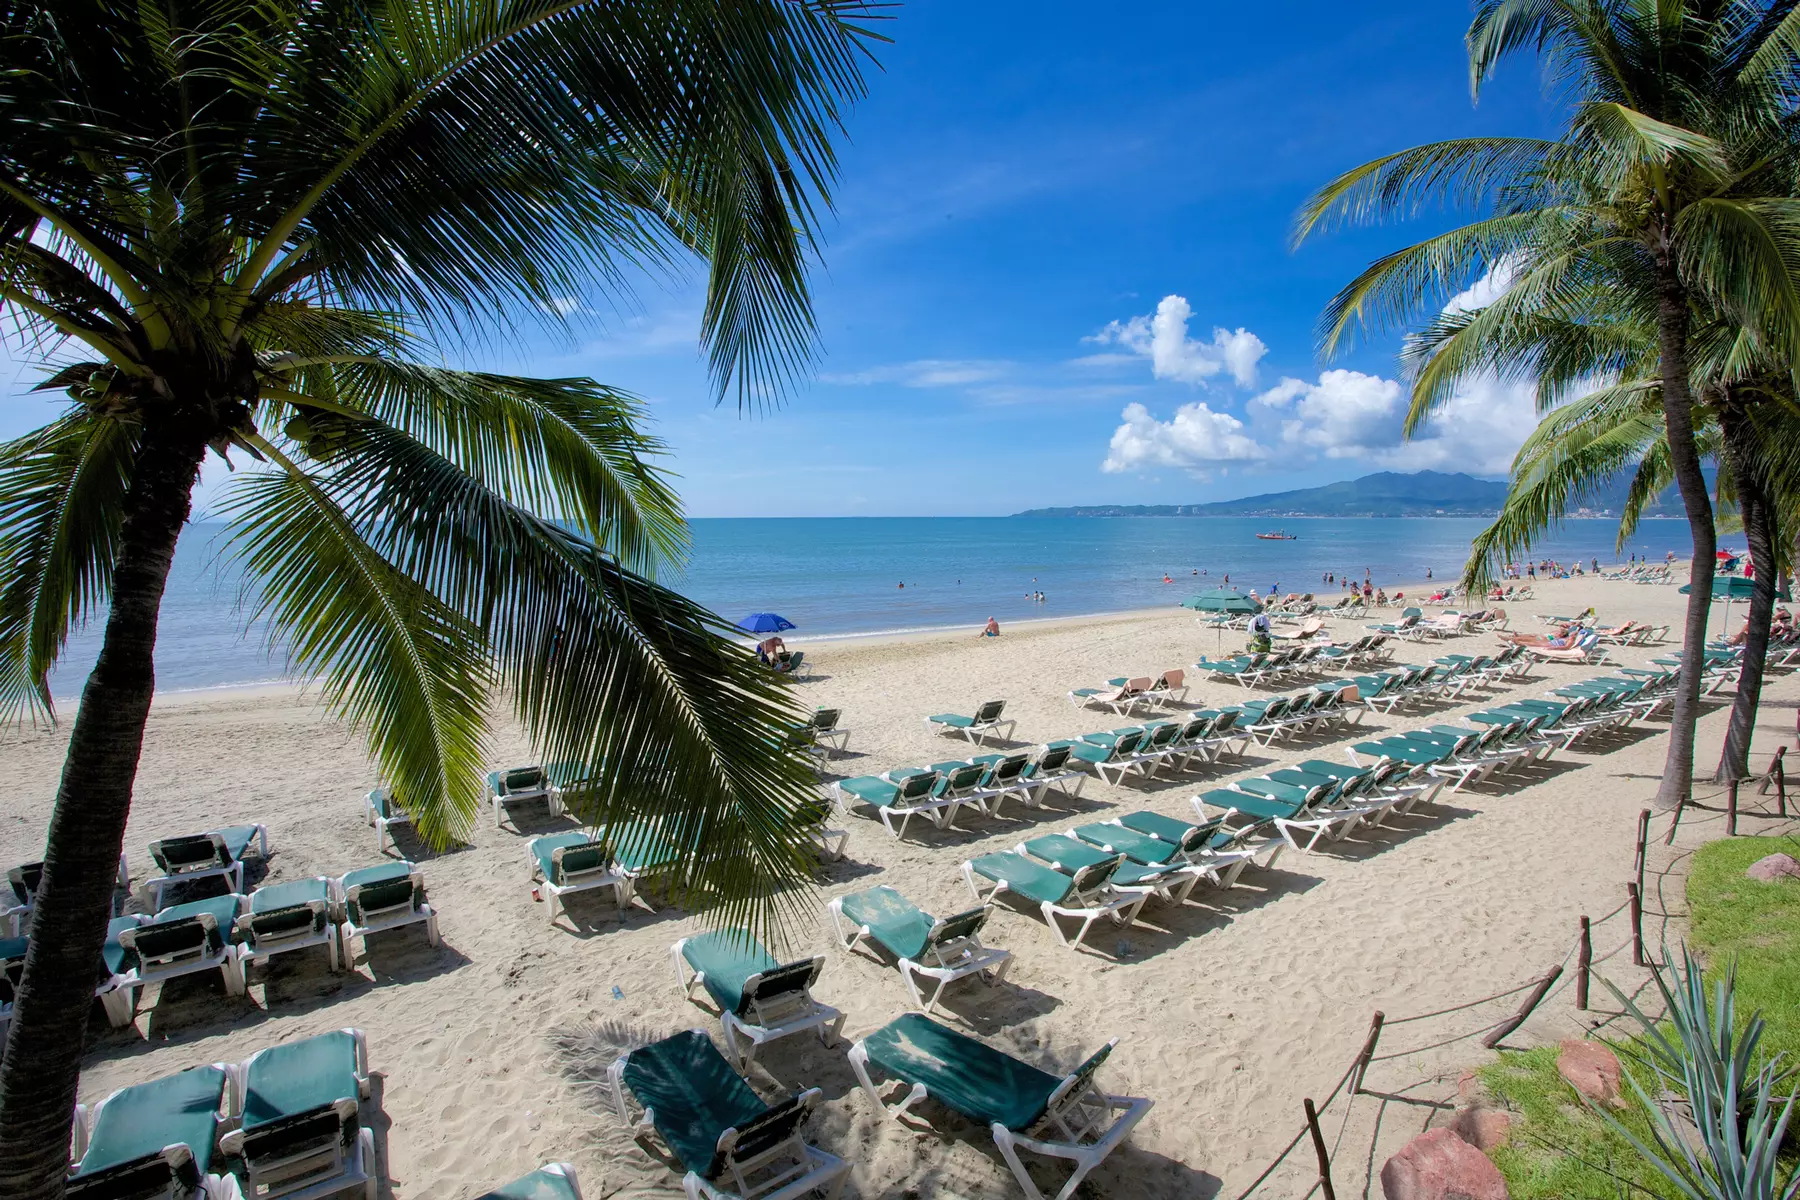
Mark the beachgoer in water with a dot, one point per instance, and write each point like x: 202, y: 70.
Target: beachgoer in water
x: 903, y: 586
x: 1166, y: 578
x: 1428, y: 572
x: 992, y: 629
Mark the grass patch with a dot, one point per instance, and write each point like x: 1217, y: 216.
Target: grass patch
x: 1562, y: 1149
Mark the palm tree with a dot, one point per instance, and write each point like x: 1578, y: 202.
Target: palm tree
x: 1675, y: 166
x: 238, y: 228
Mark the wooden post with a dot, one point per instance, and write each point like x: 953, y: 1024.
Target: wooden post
x: 1675, y: 821
x: 1318, y: 1141
x: 1762, y: 789
x: 1731, y: 791
x: 1637, y: 923
x: 1584, y: 962
x: 1781, y: 780
x: 1532, y: 1001
x: 1367, y: 1052
x: 1643, y: 847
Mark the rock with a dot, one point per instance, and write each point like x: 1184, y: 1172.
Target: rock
x: 1438, y: 1165
x: 1590, y: 1069
x: 1483, y: 1128
x: 1774, y: 867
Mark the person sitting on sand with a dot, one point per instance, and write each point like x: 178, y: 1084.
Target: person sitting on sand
x: 1381, y: 598
x: 991, y: 629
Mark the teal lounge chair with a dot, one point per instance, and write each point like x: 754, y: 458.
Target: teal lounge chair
x: 903, y: 799
x: 1024, y: 1108
x: 154, y: 1139
x: 1120, y: 755
x: 19, y: 895
x: 734, y: 1146
x: 380, y: 811
x: 1187, y: 853
x: 1207, y: 843
x: 574, y: 862
x: 181, y: 940
x: 300, y: 1105
x: 287, y: 916
x: 760, y: 999
x: 1085, y: 896
x: 552, y: 1181
x: 109, y: 988
x: 376, y: 899
x: 942, y: 950
x: 1004, y: 775
x: 522, y: 785
x: 204, y: 855
x: 988, y: 718
x: 824, y: 729
x: 1169, y: 882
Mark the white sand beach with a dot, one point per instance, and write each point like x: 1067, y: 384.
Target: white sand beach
x: 1230, y: 1008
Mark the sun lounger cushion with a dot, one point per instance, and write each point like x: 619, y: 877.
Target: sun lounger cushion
x: 286, y: 907
x: 642, y: 846
x: 983, y: 1084
x: 300, y: 1077
x: 893, y: 920
x: 542, y: 1184
x: 372, y: 889
x: 138, y: 1122
x: 1035, y: 882
x: 1072, y: 855
x: 694, y: 1094
x: 1139, y: 847
x: 726, y: 960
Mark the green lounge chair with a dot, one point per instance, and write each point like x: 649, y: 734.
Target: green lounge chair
x: 109, y: 987
x: 181, y: 940
x: 380, y: 811
x: 760, y: 999
x: 154, y: 1139
x: 574, y: 862
x: 734, y: 1146
x: 1120, y: 756
x: 901, y: 799
x: 1050, y: 769
x: 376, y: 899
x: 522, y: 785
x: 203, y: 855
x: 552, y: 1181
x: 287, y: 916
x: 831, y: 842
x: 1169, y: 882
x: 1206, y: 842
x: 1186, y: 855
x: 19, y: 895
x: 824, y: 728
x: 988, y: 718
x: 1085, y: 896
x: 1024, y: 1108
x: 943, y: 950
x: 301, y: 1134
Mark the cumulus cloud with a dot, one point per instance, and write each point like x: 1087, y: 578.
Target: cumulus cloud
x: 1195, y: 439
x: 1163, y: 338
x: 927, y: 373
x: 1350, y: 415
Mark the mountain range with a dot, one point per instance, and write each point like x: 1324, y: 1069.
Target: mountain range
x: 1385, y: 494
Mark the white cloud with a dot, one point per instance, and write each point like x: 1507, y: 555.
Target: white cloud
x: 926, y: 373
x: 1348, y: 414
x: 1163, y: 338
x: 1195, y: 439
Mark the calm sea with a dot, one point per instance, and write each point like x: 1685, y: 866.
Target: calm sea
x: 843, y: 575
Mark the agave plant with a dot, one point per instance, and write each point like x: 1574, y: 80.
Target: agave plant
x: 1735, y: 1103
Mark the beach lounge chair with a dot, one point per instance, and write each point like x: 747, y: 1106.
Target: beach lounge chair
x: 182, y: 940
x: 204, y: 855
x: 1002, y: 775
x: 19, y: 895
x: 154, y: 1140
x: 552, y: 1181
x: 902, y: 799
x: 300, y: 1106
x: 1121, y: 697
x: 987, y: 719
x: 1024, y: 1108
x: 376, y: 899
x: 1247, y: 670
x: 824, y: 728
x: 1300, y: 805
x: 732, y: 1144
x: 1168, y: 881
x: 831, y: 842
x: 109, y: 986
x: 521, y: 785
x: 943, y: 950
x: 287, y: 916
x: 1207, y: 843
x: 1084, y: 896
x: 380, y: 811
x: 760, y: 999
x: 1120, y: 755
x: 575, y: 862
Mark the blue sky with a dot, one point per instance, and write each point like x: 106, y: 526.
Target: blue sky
x: 1045, y: 213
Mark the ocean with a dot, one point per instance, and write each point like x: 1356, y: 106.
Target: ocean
x: 842, y: 576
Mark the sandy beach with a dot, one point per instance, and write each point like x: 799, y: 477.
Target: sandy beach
x: 1230, y: 1008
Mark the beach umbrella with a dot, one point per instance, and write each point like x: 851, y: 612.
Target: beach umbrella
x: 1729, y: 588
x: 1221, y: 600
x: 765, y: 623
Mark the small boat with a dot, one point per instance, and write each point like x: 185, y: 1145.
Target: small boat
x: 1279, y: 536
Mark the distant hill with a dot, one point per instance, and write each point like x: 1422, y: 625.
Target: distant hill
x: 1387, y: 494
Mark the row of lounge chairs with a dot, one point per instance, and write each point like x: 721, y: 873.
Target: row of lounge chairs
x: 290, y: 1116
x: 941, y: 790
x: 1249, y: 670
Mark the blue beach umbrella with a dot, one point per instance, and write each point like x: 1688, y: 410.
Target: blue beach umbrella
x: 765, y: 623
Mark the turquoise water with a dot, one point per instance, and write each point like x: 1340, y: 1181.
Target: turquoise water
x: 841, y: 575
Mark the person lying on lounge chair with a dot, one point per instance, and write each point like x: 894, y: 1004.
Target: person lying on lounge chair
x: 1561, y: 638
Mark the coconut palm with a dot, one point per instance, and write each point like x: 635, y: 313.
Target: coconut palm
x: 1675, y: 164
x: 241, y: 229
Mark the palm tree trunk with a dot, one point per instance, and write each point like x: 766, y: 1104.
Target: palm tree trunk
x: 42, y: 1064
x: 1678, y: 416
x: 1758, y: 510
